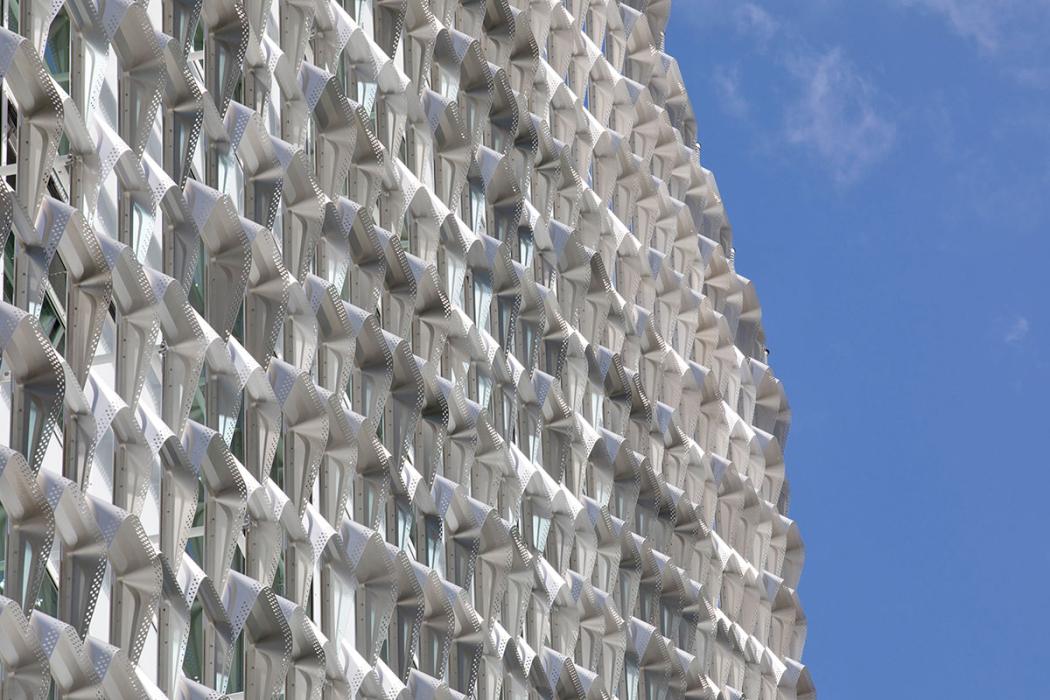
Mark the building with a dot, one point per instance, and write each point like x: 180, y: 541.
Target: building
x: 375, y: 349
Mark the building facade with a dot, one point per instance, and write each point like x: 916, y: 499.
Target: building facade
x: 378, y: 349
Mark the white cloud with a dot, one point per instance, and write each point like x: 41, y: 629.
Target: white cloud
x: 1018, y: 331
x: 1011, y: 32
x: 748, y: 19
x: 727, y: 85
x: 836, y: 115
x: 754, y: 21
x: 826, y: 106
x: 979, y: 20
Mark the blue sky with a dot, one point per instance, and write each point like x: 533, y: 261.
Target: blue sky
x: 886, y: 168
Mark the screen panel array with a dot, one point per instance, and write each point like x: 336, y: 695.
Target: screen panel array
x: 378, y: 349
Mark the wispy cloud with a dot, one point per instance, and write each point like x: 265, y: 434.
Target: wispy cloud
x: 747, y: 19
x: 1017, y: 331
x: 979, y: 20
x: 1010, y: 32
x: 730, y: 96
x: 826, y: 107
x: 836, y: 115
x: 755, y: 22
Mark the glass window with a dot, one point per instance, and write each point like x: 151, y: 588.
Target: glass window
x: 532, y: 439
x: 227, y: 180
x: 9, y: 269
x: 406, y: 522
x: 505, y: 309
x: 405, y: 627
x: 197, y: 291
x: 448, y: 84
x: 540, y: 526
x: 198, y: 38
x: 236, y: 680
x: 431, y: 647
x: 528, y: 341
x: 237, y: 443
x: 525, y: 247
x: 454, y: 274
x: 364, y: 14
x: 477, y: 206
x: 56, y: 52
x: 199, y: 407
x: 464, y: 668
x: 277, y: 468
x: 278, y: 578
x: 47, y: 600
x: 509, y: 433
x: 195, y: 548
x: 406, y: 234
x: 372, y: 507
x: 433, y: 549
x: 365, y: 94
x: 193, y: 661
x: 596, y: 408
x: 12, y: 15
x: 52, y: 324
x: 482, y: 288
x: 484, y: 388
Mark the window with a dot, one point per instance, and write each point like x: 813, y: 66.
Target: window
x: 528, y: 343
x: 455, y: 271
x: 56, y: 52
x: 199, y: 407
x: 406, y: 522
x: 196, y: 291
x: 432, y: 550
x: 366, y: 97
x: 507, y: 414
x: 596, y: 401
x: 277, y: 468
x: 483, y: 391
x: 237, y: 442
x: 193, y: 661
x: 236, y: 679
x: 279, y: 586
x: 539, y: 524
x: 47, y: 600
x: 505, y: 311
x: 532, y: 444
x: 447, y: 83
x: 9, y: 268
x: 227, y: 180
x: 195, y: 541
x: 477, y: 205
x: 526, y: 243
x: 57, y: 59
x: 482, y: 288
x: 12, y: 15
x: 406, y: 623
x: 371, y: 507
x: 364, y: 14
x: 53, y: 325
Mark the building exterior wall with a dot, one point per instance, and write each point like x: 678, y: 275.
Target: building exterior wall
x: 378, y: 348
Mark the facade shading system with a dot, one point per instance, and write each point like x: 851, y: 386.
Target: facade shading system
x: 378, y: 349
